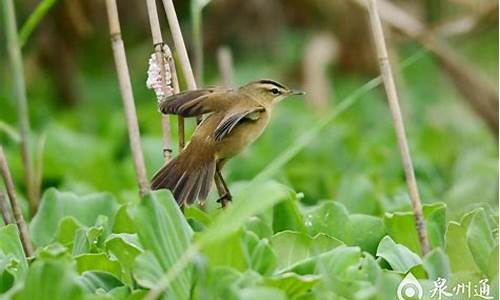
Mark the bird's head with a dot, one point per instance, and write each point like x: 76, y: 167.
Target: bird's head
x: 269, y: 91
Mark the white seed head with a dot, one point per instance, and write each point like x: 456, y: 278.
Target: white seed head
x: 154, y: 81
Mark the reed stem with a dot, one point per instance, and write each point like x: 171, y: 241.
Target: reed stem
x: 226, y: 67
x: 16, y: 62
x: 393, y: 99
x: 5, y: 209
x: 16, y: 208
x: 158, y: 45
x: 127, y: 96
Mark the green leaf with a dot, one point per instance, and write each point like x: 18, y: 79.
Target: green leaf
x: 292, y: 247
x: 165, y: 233
x: 399, y: 257
x: 98, y: 262
x: 480, y: 239
x: 457, y: 249
x: 436, y: 264
x: 357, y: 193
x: 63, y: 283
x: 246, y: 204
x: 332, y: 218
x: 259, y: 227
x: 66, y: 230
x: 147, y: 270
x: 292, y: 284
x: 8, y: 267
x: 56, y: 205
x: 125, y: 247
x: 286, y: 216
x: 260, y: 255
x: 92, y: 281
x: 123, y: 222
x: 253, y: 293
x: 400, y: 226
x: 11, y: 247
x: 229, y: 252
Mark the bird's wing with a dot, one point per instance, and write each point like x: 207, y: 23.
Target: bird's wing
x: 229, y: 122
x: 197, y: 102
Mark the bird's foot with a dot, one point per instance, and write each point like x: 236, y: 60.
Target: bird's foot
x: 225, y: 199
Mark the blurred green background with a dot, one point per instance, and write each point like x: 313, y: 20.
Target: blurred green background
x: 74, y: 99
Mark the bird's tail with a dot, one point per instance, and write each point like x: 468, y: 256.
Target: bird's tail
x: 188, y: 176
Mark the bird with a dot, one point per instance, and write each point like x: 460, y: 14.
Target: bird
x: 233, y: 119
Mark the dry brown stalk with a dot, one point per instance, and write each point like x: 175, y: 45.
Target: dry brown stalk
x: 160, y: 56
x: 175, y: 30
x: 5, y: 209
x: 127, y: 96
x: 16, y: 208
x: 226, y: 67
x: 15, y: 58
x: 392, y: 96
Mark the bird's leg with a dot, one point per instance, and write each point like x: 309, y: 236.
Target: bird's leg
x: 224, y: 193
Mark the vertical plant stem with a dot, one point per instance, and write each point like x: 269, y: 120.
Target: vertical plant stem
x: 226, y: 67
x: 197, y: 33
x: 181, y: 132
x: 175, y: 29
x: 390, y: 88
x: 16, y: 208
x: 158, y: 47
x: 15, y: 58
x: 127, y: 95
x: 5, y: 209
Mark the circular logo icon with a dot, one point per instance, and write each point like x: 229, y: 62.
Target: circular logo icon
x: 409, y: 288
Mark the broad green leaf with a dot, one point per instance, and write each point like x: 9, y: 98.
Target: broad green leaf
x: 400, y: 226
x: 99, y: 262
x: 123, y: 222
x: 457, y: 249
x: 11, y: 247
x: 292, y: 247
x: 66, y: 230
x: 399, y: 257
x: 436, y: 264
x: 229, y: 252
x: 261, y: 257
x: 286, y: 216
x: 252, y: 293
x: 56, y: 205
x: 333, y: 219
x: 125, y: 247
x: 147, y: 270
x: 92, y: 281
x: 480, y: 239
x: 292, y: 284
x: 165, y: 233
x: 63, y: 284
x: 8, y: 267
x: 492, y: 271
x: 365, y: 231
x: 330, y: 218
x: 347, y: 272
x: 246, y: 204
x: 258, y: 226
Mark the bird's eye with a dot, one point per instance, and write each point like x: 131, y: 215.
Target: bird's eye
x: 275, y: 91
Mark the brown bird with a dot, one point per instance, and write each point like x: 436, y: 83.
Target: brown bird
x: 234, y: 119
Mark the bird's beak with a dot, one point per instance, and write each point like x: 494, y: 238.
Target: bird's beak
x: 297, y: 92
